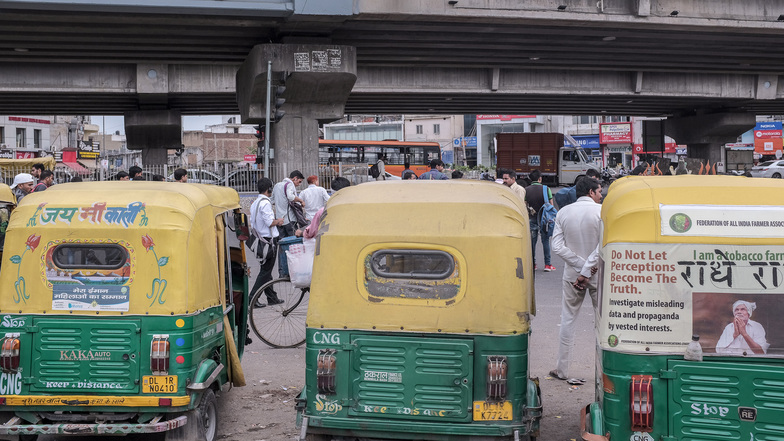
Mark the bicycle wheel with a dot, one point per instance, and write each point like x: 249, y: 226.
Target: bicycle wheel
x: 283, y: 325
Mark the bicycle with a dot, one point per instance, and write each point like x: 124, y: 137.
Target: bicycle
x: 281, y: 325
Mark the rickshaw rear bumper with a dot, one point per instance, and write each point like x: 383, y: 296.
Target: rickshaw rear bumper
x: 12, y: 427
x: 585, y: 434
x: 371, y: 427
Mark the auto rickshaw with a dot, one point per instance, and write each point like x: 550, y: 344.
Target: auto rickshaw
x: 690, y: 260
x: 121, y: 309
x: 418, y: 325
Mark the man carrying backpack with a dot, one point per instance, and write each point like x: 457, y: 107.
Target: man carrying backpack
x: 537, y: 195
x: 577, y: 233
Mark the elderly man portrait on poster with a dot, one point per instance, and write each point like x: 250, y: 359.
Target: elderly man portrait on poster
x: 743, y: 334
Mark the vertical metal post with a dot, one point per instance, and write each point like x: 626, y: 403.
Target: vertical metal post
x: 268, y: 132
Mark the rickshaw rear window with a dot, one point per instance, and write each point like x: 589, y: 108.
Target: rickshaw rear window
x: 107, y: 257
x: 412, y: 264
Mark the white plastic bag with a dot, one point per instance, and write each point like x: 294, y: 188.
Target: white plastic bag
x: 300, y: 261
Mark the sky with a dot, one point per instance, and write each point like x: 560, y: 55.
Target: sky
x: 115, y: 123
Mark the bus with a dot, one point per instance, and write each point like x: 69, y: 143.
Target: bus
x: 417, y: 154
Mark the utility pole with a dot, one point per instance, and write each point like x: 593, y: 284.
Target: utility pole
x: 267, y: 122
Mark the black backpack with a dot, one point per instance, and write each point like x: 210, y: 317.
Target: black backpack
x: 374, y: 171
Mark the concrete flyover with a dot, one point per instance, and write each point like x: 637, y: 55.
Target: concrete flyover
x: 674, y: 58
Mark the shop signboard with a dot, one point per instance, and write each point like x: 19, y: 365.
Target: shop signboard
x: 503, y: 117
x: 465, y: 141
x: 739, y: 146
x: 669, y: 147
x: 81, y: 154
x: 588, y: 142
x: 615, y: 133
x: 249, y: 158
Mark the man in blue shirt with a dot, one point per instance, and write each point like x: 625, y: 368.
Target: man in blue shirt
x: 436, y: 171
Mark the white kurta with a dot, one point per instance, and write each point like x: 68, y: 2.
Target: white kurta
x: 738, y: 345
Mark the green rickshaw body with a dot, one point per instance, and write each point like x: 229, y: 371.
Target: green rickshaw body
x: 418, y: 318
x: 120, y: 309
x: 676, y: 263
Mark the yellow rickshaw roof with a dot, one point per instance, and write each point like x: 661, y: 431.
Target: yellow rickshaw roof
x: 171, y: 233
x: 630, y: 211
x: 443, y: 195
x: 483, y: 226
x: 16, y: 164
x: 6, y: 194
x: 185, y: 198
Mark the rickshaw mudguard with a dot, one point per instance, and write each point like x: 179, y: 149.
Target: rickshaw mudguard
x: 12, y: 427
x: 207, y: 373
x: 532, y: 414
x: 592, y: 412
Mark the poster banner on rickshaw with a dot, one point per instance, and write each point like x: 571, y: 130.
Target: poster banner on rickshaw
x: 655, y: 296
x: 722, y: 220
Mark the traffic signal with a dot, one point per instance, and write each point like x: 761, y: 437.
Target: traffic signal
x: 276, y: 112
x: 260, y: 152
x: 260, y: 132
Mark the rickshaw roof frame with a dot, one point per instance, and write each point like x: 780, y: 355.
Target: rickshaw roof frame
x: 630, y: 211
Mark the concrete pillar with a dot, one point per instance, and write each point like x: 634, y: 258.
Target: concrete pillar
x: 705, y: 135
x: 318, y: 80
x: 153, y: 132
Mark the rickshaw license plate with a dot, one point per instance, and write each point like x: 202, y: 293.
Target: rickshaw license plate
x: 159, y: 384
x: 487, y: 411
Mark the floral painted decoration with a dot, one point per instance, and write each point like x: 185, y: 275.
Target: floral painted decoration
x: 158, y: 284
x: 21, y: 288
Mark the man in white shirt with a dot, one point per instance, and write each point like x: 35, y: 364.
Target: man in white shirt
x: 577, y: 233
x: 284, y: 192
x: 743, y: 336
x: 262, y: 224
x: 314, y: 196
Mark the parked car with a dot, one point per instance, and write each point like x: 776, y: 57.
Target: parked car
x: 199, y: 176
x: 768, y: 169
x: 244, y: 179
x: 359, y: 175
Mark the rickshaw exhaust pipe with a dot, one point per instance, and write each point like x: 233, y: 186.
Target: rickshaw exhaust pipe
x: 303, y: 431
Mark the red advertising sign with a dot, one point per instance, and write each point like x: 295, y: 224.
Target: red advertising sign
x: 249, y: 158
x: 763, y: 134
x: 503, y: 117
x: 767, y: 146
x: 669, y: 147
x: 25, y: 155
x: 615, y: 133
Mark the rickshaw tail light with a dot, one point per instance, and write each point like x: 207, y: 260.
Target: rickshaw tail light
x: 642, y: 403
x: 325, y: 373
x: 497, y: 369
x: 9, y: 353
x: 159, y: 355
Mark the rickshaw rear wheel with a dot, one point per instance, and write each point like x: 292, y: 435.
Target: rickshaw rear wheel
x: 202, y: 422
x: 207, y: 416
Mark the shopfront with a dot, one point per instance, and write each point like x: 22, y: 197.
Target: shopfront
x: 616, y: 140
